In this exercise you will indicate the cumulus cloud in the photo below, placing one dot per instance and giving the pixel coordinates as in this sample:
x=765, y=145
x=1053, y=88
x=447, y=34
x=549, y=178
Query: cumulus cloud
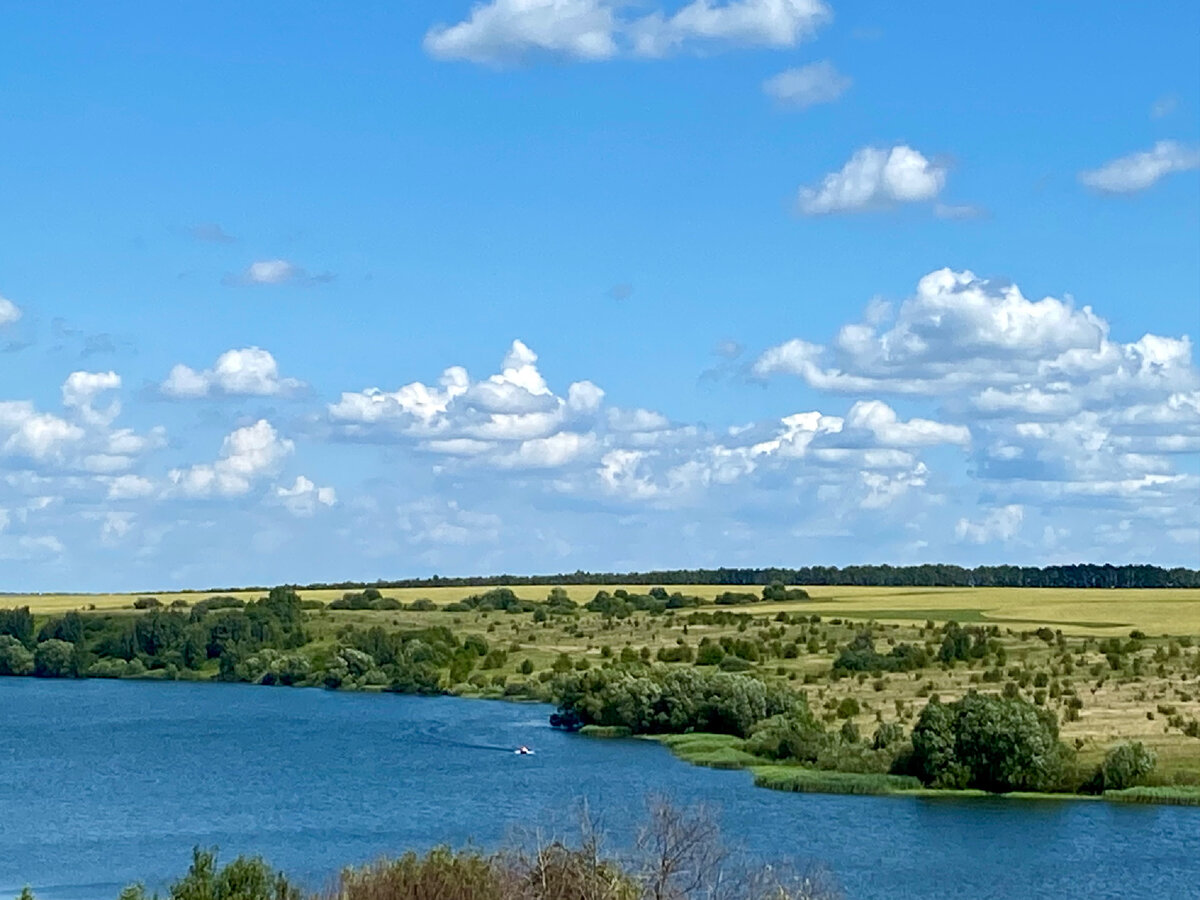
x=957, y=329
x=9, y=311
x=875, y=178
x=998, y=525
x=1057, y=410
x=1138, y=171
x=501, y=32
x=511, y=419
x=507, y=30
x=804, y=86
x=250, y=371
x=247, y=455
x=276, y=272
x=80, y=390
x=38, y=436
x=304, y=498
x=745, y=23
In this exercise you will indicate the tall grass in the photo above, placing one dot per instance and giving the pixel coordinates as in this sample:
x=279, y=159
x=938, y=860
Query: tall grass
x=814, y=781
x=1172, y=796
x=715, y=751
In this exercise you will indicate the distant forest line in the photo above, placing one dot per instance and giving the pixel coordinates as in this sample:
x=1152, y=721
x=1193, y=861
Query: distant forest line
x=929, y=575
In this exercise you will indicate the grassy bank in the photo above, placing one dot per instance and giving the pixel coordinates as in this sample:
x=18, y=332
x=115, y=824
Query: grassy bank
x=723, y=751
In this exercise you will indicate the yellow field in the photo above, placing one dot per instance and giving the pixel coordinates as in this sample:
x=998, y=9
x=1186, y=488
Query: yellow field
x=1076, y=611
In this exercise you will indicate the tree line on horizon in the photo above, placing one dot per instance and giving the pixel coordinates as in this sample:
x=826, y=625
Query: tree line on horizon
x=1085, y=575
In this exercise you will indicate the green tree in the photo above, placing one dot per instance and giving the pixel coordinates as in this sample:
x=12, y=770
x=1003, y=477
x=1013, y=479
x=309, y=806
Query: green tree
x=987, y=742
x=246, y=878
x=53, y=659
x=14, y=658
x=1125, y=764
x=17, y=623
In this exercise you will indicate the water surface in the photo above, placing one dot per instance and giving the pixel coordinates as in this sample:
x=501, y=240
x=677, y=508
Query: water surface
x=103, y=783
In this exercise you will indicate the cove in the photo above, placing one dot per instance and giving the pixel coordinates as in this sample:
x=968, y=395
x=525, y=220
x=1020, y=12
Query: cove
x=107, y=782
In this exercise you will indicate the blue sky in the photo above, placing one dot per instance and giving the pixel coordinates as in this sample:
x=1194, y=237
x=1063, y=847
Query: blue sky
x=833, y=283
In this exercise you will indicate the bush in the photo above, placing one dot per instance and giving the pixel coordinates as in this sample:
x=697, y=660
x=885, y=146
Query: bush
x=987, y=742
x=709, y=654
x=734, y=598
x=848, y=708
x=147, y=603
x=735, y=664
x=1124, y=765
x=422, y=604
x=53, y=659
x=14, y=658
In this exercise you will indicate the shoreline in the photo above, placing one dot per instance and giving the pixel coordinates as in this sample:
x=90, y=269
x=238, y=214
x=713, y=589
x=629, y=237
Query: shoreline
x=766, y=774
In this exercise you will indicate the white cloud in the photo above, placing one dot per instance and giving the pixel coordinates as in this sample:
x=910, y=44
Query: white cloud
x=1138, y=171
x=247, y=454
x=501, y=32
x=1001, y=524
x=805, y=86
x=271, y=271
x=38, y=436
x=9, y=311
x=875, y=178
x=250, y=371
x=510, y=420
x=959, y=330
x=881, y=420
x=437, y=521
x=114, y=526
x=745, y=23
x=303, y=498
x=129, y=487
x=507, y=30
x=276, y=272
x=81, y=389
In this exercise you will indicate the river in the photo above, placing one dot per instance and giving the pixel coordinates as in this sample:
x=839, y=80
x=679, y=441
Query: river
x=103, y=783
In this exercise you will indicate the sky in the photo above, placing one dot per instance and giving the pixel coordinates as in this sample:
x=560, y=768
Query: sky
x=297, y=292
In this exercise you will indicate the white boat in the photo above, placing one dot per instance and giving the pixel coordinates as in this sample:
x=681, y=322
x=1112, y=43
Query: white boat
x=523, y=751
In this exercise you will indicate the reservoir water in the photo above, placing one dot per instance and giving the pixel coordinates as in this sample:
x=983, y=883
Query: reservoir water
x=103, y=783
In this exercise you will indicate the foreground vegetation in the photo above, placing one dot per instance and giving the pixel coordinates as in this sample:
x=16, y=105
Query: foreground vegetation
x=678, y=854
x=762, y=679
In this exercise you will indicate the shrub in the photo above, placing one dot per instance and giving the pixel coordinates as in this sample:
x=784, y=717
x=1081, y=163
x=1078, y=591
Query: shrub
x=53, y=659
x=14, y=658
x=987, y=742
x=147, y=603
x=848, y=707
x=1124, y=765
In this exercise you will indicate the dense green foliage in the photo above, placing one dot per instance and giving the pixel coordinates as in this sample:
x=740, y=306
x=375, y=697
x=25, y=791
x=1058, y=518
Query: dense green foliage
x=17, y=623
x=987, y=742
x=928, y=575
x=661, y=700
x=1124, y=766
x=860, y=655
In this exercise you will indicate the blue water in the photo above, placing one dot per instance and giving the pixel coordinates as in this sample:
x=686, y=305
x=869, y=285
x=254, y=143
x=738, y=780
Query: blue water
x=103, y=783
